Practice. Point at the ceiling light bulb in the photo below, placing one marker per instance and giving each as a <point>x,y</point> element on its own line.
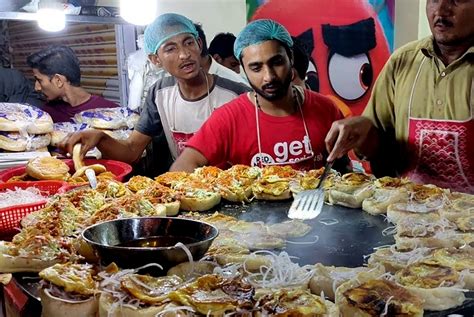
<point>140,12</point>
<point>52,20</point>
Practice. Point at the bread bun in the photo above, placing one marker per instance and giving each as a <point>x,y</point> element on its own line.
<point>12,264</point>
<point>264,196</point>
<point>201,203</point>
<point>108,118</point>
<point>188,270</point>
<point>19,117</point>
<point>439,286</point>
<point>271,189</point>
<point>62,129</point>
<point>394,260</point>
<point>172,208</point>
<point>364,297</point>
<point>398,211</point>
<point>253,262</point>
<point>53,306</point>
<point>108,309</point>
<point>15,142</point>
<point>351,199</point>
<point>236,197</point>
<point>377,204</point>
<point>47,168</point>
<point>328,278</point>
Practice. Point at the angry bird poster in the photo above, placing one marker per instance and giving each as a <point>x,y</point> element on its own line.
<point>345,40</point>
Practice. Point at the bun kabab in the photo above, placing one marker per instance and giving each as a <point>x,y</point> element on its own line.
<point>47,168</point>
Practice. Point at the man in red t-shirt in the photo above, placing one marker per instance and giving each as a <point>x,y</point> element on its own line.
<point>276,124</point>
<point>58,77</point>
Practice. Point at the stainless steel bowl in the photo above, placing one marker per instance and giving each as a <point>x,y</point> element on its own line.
<point>134,242</point>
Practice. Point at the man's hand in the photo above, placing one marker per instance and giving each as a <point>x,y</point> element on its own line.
<point>88,138</point>
<point>347,134</point>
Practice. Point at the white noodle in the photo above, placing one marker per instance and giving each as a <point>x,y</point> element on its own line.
<point>385,311</point>
<point>188,254</point>
<point>281,272</point>
<point>329,221</point>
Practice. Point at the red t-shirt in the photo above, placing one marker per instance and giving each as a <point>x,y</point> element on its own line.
<point>229,136</point>
<point>61,111</point>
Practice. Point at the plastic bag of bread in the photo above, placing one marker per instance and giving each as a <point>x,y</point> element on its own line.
<point>18,142</point>
<point>27,119</point>
<point>62,129</point>
<point>108,118</point>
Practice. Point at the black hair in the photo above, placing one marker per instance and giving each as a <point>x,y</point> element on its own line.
<point>222,45</point>
<point>57,59</point>
<point>288,50</point>
<point>202,36</point>
<point>300,57</point>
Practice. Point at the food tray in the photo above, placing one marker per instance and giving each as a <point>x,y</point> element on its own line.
<point>344,243</point>
<point>119,169</point>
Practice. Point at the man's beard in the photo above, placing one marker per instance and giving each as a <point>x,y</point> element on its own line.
<point>279,93</point>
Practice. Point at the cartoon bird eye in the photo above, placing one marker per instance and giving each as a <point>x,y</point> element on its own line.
<point>350,77</point>
<point>312,77</point>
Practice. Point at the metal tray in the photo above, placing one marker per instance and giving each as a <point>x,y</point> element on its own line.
<point>353,235</point>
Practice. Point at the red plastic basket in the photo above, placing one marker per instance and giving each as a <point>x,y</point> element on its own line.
<point>10,216</point>
<point>119,169</point>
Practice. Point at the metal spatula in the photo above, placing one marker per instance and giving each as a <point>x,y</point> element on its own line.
<point>308,204</point>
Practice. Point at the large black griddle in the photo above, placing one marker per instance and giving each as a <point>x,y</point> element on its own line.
<point>344,243</point>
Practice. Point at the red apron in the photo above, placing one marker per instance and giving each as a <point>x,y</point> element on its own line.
<point>440,151</point>
<point>180,139</point>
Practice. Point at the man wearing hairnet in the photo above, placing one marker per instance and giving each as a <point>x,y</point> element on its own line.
<point>177,105</point>
<point>276,124</point>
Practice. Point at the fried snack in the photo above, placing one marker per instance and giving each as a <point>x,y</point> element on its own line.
<point>351,190</point>
<point>438,285</point>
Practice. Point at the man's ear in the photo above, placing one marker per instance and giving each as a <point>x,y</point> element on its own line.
<point>59,80</point>
<point>155,59</point>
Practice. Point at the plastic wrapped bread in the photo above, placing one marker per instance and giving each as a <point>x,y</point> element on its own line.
<point>62,129</point>
<point>108,118</point>
<point>121,134</point>
<point>16,117</point>
<point>19,142</point>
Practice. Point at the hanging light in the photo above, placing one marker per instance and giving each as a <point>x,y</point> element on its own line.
<point>138,12</point>
<point>51,16</point>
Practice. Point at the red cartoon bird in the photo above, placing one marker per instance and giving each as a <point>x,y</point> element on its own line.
<point>347,44</point>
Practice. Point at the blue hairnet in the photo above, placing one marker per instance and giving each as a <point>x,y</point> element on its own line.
<point>260,31</point>
<point>165,27</point>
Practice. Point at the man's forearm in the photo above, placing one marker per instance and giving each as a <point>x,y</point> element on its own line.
<point>120,150</point>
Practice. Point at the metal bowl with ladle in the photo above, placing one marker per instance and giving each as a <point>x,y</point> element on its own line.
<point>135,242</point>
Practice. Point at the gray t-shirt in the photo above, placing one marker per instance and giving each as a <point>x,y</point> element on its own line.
<point>166,111</point>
